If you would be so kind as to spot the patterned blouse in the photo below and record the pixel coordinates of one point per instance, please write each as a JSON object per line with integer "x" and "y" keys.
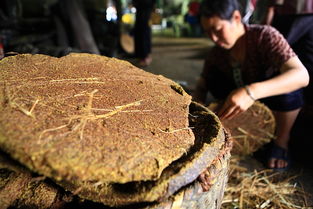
{"x": 266, "y": 52}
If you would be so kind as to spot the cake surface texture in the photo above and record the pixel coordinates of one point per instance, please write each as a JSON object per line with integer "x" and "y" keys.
{"x": 91, "y": 118}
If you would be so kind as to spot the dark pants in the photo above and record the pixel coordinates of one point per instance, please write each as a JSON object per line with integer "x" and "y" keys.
{"x": 298, "y": 30}
{"x": 142, "y": 33}
{"x": 285, "y": 102}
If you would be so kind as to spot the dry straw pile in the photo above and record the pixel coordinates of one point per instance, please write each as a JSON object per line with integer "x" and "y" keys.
{"x": 257, "y": 187}
{"x": 262, "y": 189}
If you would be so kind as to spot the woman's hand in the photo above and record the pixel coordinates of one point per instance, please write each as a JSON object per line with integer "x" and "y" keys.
{"x": 237, "y": 102}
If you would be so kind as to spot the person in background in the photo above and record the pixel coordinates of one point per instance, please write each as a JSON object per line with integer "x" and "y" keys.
{"x": 248, "y": 63}
{"x": 1, "y": 49}
{"x": 142, "y": 31}
{"x": 193, "y": 18}
{"x": 294, "y": 19}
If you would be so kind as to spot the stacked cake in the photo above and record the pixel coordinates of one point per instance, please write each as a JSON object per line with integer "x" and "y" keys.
{"x": 107, "y": 131}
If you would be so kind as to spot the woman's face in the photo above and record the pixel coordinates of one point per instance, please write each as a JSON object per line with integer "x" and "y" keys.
{"x": 221, "y": 32}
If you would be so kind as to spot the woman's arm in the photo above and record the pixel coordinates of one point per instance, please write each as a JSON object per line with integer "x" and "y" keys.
{"x": 269, "y": 15}
{"x": 293, "y": 76}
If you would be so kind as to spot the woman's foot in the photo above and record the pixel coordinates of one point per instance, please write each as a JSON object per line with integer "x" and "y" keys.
{"x": 278, "y": 158}
{"x": 145, "y": 62}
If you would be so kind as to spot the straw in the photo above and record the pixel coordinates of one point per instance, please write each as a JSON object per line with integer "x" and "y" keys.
{"x": 262, "y": 189}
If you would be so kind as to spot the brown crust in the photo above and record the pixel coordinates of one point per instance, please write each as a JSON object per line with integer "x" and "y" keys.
{"x": 210, "y": 141}
{"x": 19, "y": 188}
{"x": 101, "y": 126}
{"x": 91, "y": 118}
{"x": 48, "y": 195}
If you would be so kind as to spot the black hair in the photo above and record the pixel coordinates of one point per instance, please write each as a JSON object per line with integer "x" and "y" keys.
{"x": 221, "y": 8}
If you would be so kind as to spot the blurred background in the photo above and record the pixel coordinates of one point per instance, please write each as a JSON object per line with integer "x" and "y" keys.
{"x": 179, "y": 47}
{"x": 58, "y": 27}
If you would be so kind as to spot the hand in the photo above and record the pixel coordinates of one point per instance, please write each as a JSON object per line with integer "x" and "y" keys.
{"x": 206, "y": 180}
{"x": 237, "y": 102}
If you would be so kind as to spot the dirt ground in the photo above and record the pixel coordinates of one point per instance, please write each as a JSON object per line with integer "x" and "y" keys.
{"x": 181, "y": 59}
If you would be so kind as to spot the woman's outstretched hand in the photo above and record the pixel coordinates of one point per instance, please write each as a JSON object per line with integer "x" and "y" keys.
{"x": 237, "y": 102}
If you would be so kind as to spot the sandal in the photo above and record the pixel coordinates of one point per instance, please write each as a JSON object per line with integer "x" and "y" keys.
{"x": 145, "y": 62}
{"x": 279, "y": 153}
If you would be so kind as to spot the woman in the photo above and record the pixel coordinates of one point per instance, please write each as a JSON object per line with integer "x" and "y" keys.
{"x": 142, "y": 31}
{"x": 294, "y": 19}
{"x": 251, "y": 62}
